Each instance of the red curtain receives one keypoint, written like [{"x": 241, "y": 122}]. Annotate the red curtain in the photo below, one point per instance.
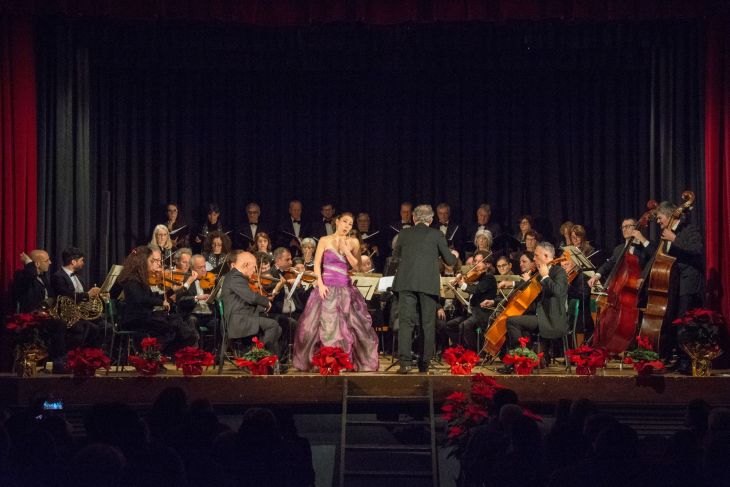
[
  {"x": 18, "y": 148},
  {"x": 717, "y": 163}
]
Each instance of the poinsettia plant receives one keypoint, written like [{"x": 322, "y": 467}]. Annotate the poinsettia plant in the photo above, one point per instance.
[
  {"x": 25, "y": 328},
  {"x": 700, "y": 327},
  {"x": 523, "y": 358},
  {"x": 331, "y": 360},
  {"x": 150, "y": 360},
  {"x": 587, "y": 359},
  {"x": 463, "y": 411},
  {"x": 258, "y": 360},
  {"x": 83, "y": 362},
  {"x": 643, "y": 358},
  {"x": 460, "y": 359},
  {"x": 192, "y": 360}
]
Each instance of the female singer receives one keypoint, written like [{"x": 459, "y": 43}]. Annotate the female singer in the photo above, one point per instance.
[
  {"x": 525, "y": 226},
  {"x": 161, "y": 242},
  {"x": 213, "y": 223},
  {"x": 263, "y": 243},
  {"x": 482, "y": 241},
  {"x": 174, "y": 222},
  {"x": 216, "y": 248},
  {"x": 578, "y": 239},
  {"x": 147, "y": 311},
  {"x": 565, "y": 229},
  {"x": 336, "y": 314}
]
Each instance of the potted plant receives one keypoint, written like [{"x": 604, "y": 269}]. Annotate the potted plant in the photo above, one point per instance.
[
  {"x": 150, "y": 360},
  {"x": 699, "y": 336},
  {"x": 643, "y": 358},
  {"x": 523, "y": 358},
  {"x": 587, "y": 359},
  {"x": 330, "y": 360},
  {"x": 29, "y": 347},
  {"x": 460, "y": 359},
  {"x": 83, "y": 362},
  {"x": 258, "y": 360},
  {"x": 192, "y": 360}
]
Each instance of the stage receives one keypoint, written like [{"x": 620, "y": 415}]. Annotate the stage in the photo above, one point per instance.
[{"x": 235, "y": 388}]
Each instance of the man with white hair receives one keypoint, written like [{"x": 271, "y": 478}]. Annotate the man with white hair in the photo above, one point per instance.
[
  {"x": 417, "y": 283},
  {"x": 551, "y": 316}
]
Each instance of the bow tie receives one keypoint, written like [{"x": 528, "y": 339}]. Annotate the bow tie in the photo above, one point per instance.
[
  {"x": 327, "y": 220},
  {"x": 296, "y": 221},
  {"x": 74, "y": 274}
]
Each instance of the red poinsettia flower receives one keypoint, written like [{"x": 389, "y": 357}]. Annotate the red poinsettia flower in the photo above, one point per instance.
[
  {"x": 259, "y": 344},
  {"x": 192, "y": 360},
  {"x": 457, "y": 396},
  {"x": 587, "y": 357},
  {"x": 456, "y": 431},
  {"x": 523, "y": 341},
  {"x": 460, "y": 359},
  {"x": 644, "y": 342},
  {"x": 149, "y": 343},
  {"x": 330, "y": 360},
  {"x": 85, "y": 361},
  {"x": 259, "y": 367}
]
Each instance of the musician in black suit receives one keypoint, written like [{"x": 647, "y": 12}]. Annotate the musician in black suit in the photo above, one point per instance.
[
  {"x": 192, "y": 299},
  {"x": 551, "y": 317},
  {"x": 417, "y": 283},
  {"x": 640, "y": 247},
  {"x": 242, "y": 307},
  {"x": 450, "y": 229},
  {"x": 406, "y": 221},
  {"x": 66, "y": 282},
  {"x": 291, "y": 231},
  {"x": 246, "y": 233},
  {"x": 483, "y": 292},
  {"x": 147, "y": 311},
  {"x": 325, "y": 225},
  {"x": 684, "y": 243},
  {"x": 31, "y": 287},
  {"x": 285, "y": 311}
]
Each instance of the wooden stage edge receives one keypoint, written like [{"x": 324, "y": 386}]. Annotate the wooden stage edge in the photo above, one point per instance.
[{"x": 235, "y": 388}]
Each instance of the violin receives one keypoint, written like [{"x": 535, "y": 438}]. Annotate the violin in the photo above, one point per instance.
[
  {"x": 207, "y": 281},
  {"x": 257, "y": 283},
  {"x": 167, "y": 278},
  {"x": 307, "y": 276}
]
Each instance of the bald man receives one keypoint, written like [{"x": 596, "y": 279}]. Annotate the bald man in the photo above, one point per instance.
[{"x": 242, "y": 307}]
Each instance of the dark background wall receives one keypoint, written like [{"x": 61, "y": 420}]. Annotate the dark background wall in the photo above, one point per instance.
[{"x": 583, "y": 121}]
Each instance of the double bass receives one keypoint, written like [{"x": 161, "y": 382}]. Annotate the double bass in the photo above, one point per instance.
[
  {"x": 618, "y": 311},
  {"x": 660, "y": 279},
  {"x": 516, "y": 305}
]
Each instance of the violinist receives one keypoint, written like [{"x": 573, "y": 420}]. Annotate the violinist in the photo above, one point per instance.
[
  {"x": 263, "y": 262},
  {"x": 527, "y": 268},
  {"x": 483, "y": 289},
  {"x": 192, "y": 296},
  {"x": 284, "y": 309},
  {"x": 141, "y": 304},
  {"x": 242, "y": 307},
  {"x": 504, "y": 266},
  {"x": 550, "y": 319},
  {"x": 685, "y": 243},
  {"x": 216, "y": 248},
  {"x": 640, "y": 247}
]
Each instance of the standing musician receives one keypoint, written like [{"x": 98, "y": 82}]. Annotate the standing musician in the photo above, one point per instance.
[
  {"x": 482, "y": 241},
  {"x": 371, "y": 238},
  {"x": 246, "y": 234},
  {"x": 578, "y": 239},
  {"x": 212, "y": 223},
  {"x": 550, "y": 318},
  {"x": 531, "y": 239},
  {"x": 179, "y": 231},
  {"x": 291, "y": 231},
  {"x": 417, "y": 283},
  {"x": 565, "y": 240},
  {"x": 483, "y": 290},
  {"x": 484, "y": 215},
  {"x": 146, "y": 310},
  {"x": 216, "y": 248},
  {"x": 525, "y": 226},
  {"x": 641, "y": 248},
  {"x": 406, "y": 220},
  {"x": 31, "y": 287},
  {"x": 686, "y": 245},
  {"x": 66, "y": 282},
  {"x": 326, "y": 225},
  {"x": 161, "y": 242},
  {"x": 242, "y": 307},
  {"x": 451, "y": 230},
  {"x": 192, "y": 297}
]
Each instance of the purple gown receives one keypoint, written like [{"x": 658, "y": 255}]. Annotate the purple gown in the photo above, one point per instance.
[{"x": 341, "y": 320}]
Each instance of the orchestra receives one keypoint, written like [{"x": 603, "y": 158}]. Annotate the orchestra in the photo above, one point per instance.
[{"x": 168, "y": 290}]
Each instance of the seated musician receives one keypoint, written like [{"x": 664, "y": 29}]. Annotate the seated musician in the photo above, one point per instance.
[
  {"x": 263, "y": 243},
  {"x": 504, "y": 266},
  {"x": 580, "y": 290},
  {"x": 550, "y": 319},
  {"x": 263, "y": 262},
  {"x": 31, "y": 290},
  {"x": 192, "y": 297},
  {"x": 147, "y": 311},
  {"x": 216, "y": 248},
  {"x": 578, "y": 239},
  {"x": 162, "y": 243},
  {"x": 527, "y": 267},
  {"x": 565, "y": 240},
  {"x": 285, "y": 310},
  {"x": 366, "y": 264},
  {"x": 483, "y": 292},
  {"x": 309, "y": 245},
  {"x": 212, "y": 223},
  {"x": 175, "y": 224},
  {"x": 66, "y": 282},
  {"x": 640, "y": 247},
  {"x": 242, "y": 307}
]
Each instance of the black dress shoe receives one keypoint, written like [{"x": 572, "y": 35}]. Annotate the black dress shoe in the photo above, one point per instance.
[
  {"x": 423, "y": 368},
  {"x": 507, "y": 369},
  {"x": 684, "y": 367},
  {"x": 404, "y": 369}
]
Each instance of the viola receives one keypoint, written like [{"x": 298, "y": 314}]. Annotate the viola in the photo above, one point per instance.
[
  {"x": 516, "y": 305},
  {"x": 618, "y": 310},
  {"x": 660, "y": 280}
]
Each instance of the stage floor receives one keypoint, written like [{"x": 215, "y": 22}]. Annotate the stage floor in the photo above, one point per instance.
[{"x": 233, "y": 387}]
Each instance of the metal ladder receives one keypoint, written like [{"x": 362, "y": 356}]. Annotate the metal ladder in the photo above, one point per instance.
[{"x": 347, "y": 475}]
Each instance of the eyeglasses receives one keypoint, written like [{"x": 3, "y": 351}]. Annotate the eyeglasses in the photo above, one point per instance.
[
  {"x": 626, "y": 227},
  {"x": 159, "y": 261}
]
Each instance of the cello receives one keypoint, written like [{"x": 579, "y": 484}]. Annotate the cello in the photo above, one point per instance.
[
  {"x": 618, "y": 311},
  {"x": 518, "y": 302},
  {"x": 660, "y": 279}
]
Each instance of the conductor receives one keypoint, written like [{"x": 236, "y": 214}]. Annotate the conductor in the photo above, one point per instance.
[{"x": 417, "y": 283}]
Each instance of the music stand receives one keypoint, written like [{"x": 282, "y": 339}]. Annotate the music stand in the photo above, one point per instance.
[
  {"x": 367, "y": 285},
  {"x": 111, "y": 278}
]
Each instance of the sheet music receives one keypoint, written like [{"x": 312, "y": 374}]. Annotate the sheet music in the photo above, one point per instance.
[
  {"x": 367, "y": 236},
  {"x": 111, "y": 278},
  {"x": 384, "y": 283},
  {"x": 178, "y": 230}
]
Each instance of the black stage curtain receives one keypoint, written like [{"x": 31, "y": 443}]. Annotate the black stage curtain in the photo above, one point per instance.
[{"x": 579, "y": 121}]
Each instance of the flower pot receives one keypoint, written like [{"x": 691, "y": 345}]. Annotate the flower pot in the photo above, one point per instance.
[
  {"x": 148, "y": 369},
  {"x": 259, "y": 369},
  {"x": 701, "y": 367},
  {"x": 524, "y": 369},
  {"x": 84, "y": 372},
  {"x": 192, "y": 369},
  {"x": 585, "y": 370},
  {"x": 461, "y": 369}
]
